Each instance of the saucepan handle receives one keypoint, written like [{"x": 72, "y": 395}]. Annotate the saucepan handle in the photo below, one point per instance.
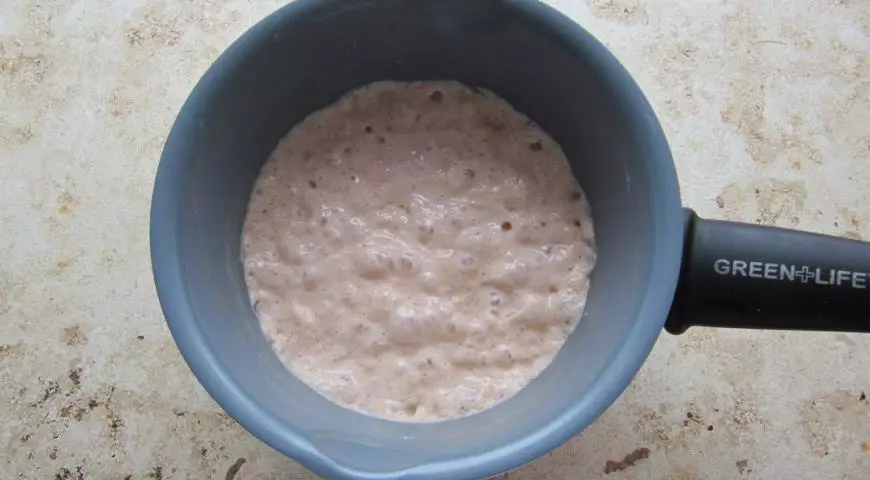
[{"x": 751, "y": 276}]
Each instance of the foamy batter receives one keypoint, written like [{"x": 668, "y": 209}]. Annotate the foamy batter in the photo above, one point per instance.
[{"x": 417, "y": 251}]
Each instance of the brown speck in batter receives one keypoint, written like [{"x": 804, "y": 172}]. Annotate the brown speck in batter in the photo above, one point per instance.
[
  {"x": 492, "y": 124},
  {"x": 312, "y": 184},
  {"x": 436, "y": 96},
  {"x": 536, "y": 146},
  {"x": 506, "y": 226},
  {"x": 368, "y": 129},
  {"x": 140, "y": 337}
]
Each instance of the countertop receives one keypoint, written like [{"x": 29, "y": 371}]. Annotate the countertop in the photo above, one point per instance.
[{"x": 766, "y": 105}]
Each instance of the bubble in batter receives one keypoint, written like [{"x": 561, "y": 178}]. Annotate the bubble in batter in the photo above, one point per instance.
[{"x": 417, "y": 251}]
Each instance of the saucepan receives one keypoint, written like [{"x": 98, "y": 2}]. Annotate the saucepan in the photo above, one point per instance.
[{"x": 658, "y": 264}]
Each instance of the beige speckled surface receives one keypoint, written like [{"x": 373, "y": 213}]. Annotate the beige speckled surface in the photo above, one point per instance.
[{"x": 766, "y": 104}]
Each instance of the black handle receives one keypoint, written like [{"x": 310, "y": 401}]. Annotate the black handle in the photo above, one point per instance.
[{"x": 750, "y": 276}]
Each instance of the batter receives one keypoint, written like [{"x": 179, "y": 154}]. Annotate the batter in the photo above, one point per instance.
[{"x": 417, "y": 251}]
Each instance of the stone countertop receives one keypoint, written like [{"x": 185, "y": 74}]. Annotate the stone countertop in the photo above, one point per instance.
[{"x": 767, "y": 107}]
